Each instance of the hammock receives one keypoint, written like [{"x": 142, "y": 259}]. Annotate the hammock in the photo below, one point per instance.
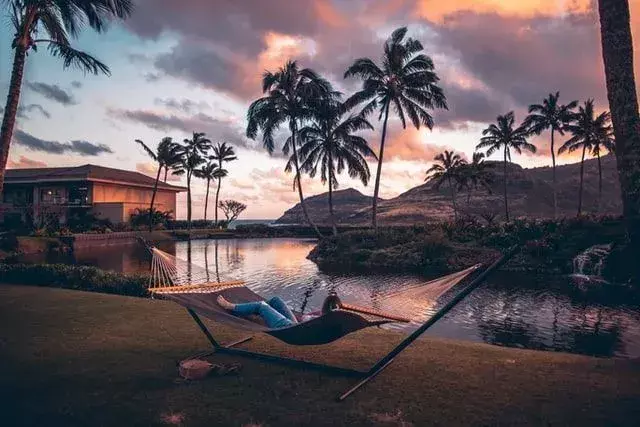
[{"x": 191, "y": 286}]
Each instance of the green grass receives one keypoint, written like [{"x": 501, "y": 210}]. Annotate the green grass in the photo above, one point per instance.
[{"x": 70, "y": 358}]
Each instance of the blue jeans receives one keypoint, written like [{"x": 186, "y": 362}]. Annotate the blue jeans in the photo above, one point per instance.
[{"x": 274, "y": 312}]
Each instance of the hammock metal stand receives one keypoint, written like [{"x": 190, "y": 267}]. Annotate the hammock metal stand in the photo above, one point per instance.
[
  {"x": 228, "y": 349},
  {"x": 376, "y": 368}
]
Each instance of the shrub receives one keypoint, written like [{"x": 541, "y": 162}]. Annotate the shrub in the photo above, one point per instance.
[
  {"x": 141, "y": 217},
  {"x": 74, "y": 277}
]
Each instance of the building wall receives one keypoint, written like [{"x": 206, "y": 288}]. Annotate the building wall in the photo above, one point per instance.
[{"x": 118, "y": 202}]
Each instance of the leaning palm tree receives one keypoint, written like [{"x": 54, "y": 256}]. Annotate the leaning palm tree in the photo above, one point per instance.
[
  {"x": 289, "y": 95},
  {"x": 208, "y": 172},
  {"x": 331, "y": 146},
  {"x": 552, "y": 116},
  {"x": 60, "y": 20},
  {"x": 585, "y": 131},
  {"x": 222, "y": 152},
  {"x": 447, "y": 169},
  {"x": 604, "y": 141},
  {"x": 504, "y": 135},
  {"x": 193, "y": 156},
  {"x": 166, "y": 154},
  {"x": 617, "y": 53},
  {"x": 405, "y": 79}
]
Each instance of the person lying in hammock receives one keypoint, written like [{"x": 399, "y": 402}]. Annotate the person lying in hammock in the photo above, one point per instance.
[{"x": 275, "y": 312}]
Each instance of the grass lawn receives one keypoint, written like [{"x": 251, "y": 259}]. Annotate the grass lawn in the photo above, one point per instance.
[{"x": 69, "y": 358}]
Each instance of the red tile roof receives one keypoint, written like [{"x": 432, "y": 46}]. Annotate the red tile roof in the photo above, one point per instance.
[{"x": 85, "y": 173}]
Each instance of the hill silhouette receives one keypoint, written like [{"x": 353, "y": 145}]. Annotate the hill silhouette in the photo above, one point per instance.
[{"x": 530, "y": 195}]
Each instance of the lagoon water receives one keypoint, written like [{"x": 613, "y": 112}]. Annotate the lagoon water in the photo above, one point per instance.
[{"x": 518, "y": 310}]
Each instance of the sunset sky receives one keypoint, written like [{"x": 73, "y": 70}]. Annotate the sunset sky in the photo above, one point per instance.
[{"x": 194, "y": 65}]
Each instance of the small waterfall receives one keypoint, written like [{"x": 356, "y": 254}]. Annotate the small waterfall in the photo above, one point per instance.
[{"x": 589, "y": 263}]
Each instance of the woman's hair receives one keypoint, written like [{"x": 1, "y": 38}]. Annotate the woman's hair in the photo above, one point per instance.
[{"x": 331, "y": 302}]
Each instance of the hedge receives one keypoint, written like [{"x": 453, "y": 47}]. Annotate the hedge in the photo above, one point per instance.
[{"x": 82, "y": 278}]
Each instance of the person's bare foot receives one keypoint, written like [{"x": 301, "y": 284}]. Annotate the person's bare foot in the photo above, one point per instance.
[{"x": 225, "y": 304}]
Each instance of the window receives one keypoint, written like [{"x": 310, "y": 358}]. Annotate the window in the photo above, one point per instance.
[
  {"x": 52, "y": 196},
  {"x": 79, "y": 195}
]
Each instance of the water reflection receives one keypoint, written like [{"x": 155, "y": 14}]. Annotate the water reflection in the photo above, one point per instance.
[{"x": 510, "y": 309}]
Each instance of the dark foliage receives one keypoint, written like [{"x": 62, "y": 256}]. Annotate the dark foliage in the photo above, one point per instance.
[
  {"x": 144, "y": 217},
  {"x": 74, "y": 277}
]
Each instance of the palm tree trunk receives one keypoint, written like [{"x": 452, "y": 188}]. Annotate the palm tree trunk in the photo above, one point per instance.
[
  {"x": 153, "y": 198},
  {"x": 166, "y": 171},
  {"x": 331, "y": 214},
  {"x": 599, "y": 184},
  {"x": 206, "y": 199},
  {"x": 189, "y": 203},
  {"x": 617, "y": 52},
  {"x": 555, "y": 186},
  {"x": 217, "y": 197},
  {"x": 11, "y": 109},
  {"x": 584, "y": 150},
  {"x": 297, "y": 166},
  {"x": 453, "y": 199},
  {"x": 376, "y": 188},
  {"x": 506, "y": 203}
]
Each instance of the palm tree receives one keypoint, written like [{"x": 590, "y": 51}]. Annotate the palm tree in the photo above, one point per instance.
[
  {"x": 405, "y": 79},
  {"x": 477, "y": 174},
  {"x": 552, "y": 116},
  {"x": 289, "y": 97},
  {"x": 617, "y": 52},
  {"x": 604, "y": 141},
  {"x": 585, "y": 131},
  {"x": 192, "y": 156},
  {"x": 504, "y": 135},
  {"x": 165, "y": 154},
  {"x": 329, "y": 144},
  {"x": 207, "y": 172},
  {"x": 447, "y": 168},
  {"x": 60, "y": 20},
  {"x": 222, "y": 152}
]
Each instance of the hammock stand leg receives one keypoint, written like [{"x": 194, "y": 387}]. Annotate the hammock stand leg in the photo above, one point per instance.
[
  {"x": 228, "y": 349},
  {"x": 390, "y": 357}
]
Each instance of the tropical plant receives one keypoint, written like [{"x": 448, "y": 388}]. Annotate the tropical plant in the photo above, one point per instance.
[
  {"x": 232, "y": 209},
  {"x": 448, "y": 168},
  {"x": 60, "y": 20},
  {"x": 192, "y": 156},
  {"x": 331, "y": 146},
  {"x": 552, "y": 116},
  {"x": 585, "y": 131},
  {"x": 503, "y": 135},
  {"x": 405, "y": 79},
  {"x": 208, "y": 172},
  {"x": 166, "y": 155},
  {"x": 149, "y": 216},
  {"x": 617, "y": 52},
  {"x": 475, "y": 175},
  {"x": 222, "y": 152},
  {"x": 290, "y": 95}
]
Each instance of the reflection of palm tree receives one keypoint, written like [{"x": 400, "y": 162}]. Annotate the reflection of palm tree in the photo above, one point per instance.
[
  {"x": 206, "y": 259},
  {"x": 215, "y": 248}
]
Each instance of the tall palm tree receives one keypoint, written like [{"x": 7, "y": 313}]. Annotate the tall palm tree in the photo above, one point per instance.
[
  {"x": 166, "y": 154},
  {"x": 447, "y": 168},
  {"x": 477, "y": 174},
  {"x": 60, "y": 20},
  {"x": 617, "y": 52},
  {"x": 604, "y": 141},
  {"x": 222, "y": 152},
  {"x": 193, "y": 155},
  {"x": 207, "y": 172},
  {"x": 289, "y": 97},
  {"x": 585, "y": 131},
  {"x": 406, "y": 79},
  {"x": 506, "y": 136},
  {"x": 552, "y": 116},
  {"x": 330, "y": 145}
]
